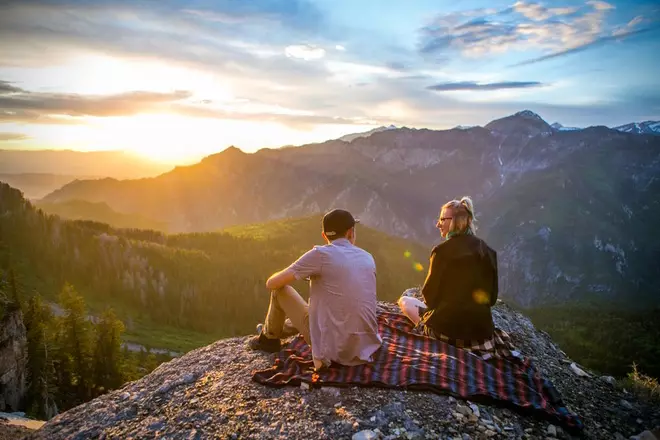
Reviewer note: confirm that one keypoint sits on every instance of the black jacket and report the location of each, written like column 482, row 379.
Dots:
column 460, row 288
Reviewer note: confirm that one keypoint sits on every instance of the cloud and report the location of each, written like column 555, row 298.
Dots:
column 245, row 50
column 22, row 106
column 238, row 51
column 304, row 51
column 526, row 26
column 537, row 12
column 301, row 121
column 62, row 108
column 8, row 137
column 469, row 85
column 6, row 87
column 65, row 104
column 300, row 14
column 598, row 42
column 396, row 65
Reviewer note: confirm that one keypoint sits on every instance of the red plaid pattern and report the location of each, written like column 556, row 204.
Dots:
column 411, row 361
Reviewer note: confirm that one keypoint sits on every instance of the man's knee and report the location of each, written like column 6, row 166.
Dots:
column 284, row 290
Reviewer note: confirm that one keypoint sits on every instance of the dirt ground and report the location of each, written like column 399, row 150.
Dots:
column 12, row 432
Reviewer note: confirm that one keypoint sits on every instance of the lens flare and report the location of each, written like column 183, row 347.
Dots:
column 407, row 254
column 480, row 297
column 418, row 267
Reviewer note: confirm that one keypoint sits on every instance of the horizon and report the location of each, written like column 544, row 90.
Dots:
column 178, row 80
column 194, row 159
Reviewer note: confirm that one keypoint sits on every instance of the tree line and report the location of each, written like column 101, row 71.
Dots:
column 70, row 358
column 207, row 282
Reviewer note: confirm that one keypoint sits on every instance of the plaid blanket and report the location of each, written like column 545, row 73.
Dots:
column 416, row 362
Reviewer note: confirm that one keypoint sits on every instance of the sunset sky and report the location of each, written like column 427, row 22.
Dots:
column 177, row 80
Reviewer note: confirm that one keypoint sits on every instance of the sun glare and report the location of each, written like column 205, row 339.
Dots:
column 178, row 139
column 171, row 138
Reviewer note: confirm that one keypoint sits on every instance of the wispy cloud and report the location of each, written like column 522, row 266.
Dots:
column 525, row 26
column 8, row 137
column 618, row 36
column 17, row 102
column 469, row 85
column 287, row 61
column 537, row 12
column 23, row 106
column 304, row 51
column 7, row 87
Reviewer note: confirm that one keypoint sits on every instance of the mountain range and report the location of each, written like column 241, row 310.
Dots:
column 571, row 213
column 647, row 127
column 353, row 136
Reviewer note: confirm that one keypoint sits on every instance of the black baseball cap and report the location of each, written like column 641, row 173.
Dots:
column 337, row 222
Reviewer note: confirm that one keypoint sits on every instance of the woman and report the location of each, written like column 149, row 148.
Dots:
column 461, row 284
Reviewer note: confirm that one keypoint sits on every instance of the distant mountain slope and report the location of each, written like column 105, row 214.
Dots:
column 37, row 185
column 395, row 180
column 99, row 212
column 117, row 164
column 353, row 136
column 647, row 127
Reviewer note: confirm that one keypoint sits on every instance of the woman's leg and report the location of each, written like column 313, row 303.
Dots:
column 411, row 308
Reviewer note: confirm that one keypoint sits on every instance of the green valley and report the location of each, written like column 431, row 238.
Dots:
column 177, row 291
column 100, row 212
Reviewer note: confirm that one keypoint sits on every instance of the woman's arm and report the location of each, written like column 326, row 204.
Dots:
column 431, row 288
column 495, row 289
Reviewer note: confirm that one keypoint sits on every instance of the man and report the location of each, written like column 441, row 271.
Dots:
column 340, row 320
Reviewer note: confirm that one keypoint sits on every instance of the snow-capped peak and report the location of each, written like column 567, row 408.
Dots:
column 529, row 114
column 646, row 127
column 557, row 126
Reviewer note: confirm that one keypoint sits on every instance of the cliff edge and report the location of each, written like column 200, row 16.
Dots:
column 209, row 393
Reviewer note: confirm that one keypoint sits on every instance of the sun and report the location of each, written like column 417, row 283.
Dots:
column 180, row 140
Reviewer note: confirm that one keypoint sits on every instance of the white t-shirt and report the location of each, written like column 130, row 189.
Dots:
column 342, row 302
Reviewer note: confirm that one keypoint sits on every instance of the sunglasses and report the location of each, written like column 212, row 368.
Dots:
column 442, row 220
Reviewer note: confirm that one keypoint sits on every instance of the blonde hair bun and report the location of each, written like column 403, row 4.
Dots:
column 469, row 205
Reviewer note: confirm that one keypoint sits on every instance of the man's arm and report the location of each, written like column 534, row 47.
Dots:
column 281, row 279
column 307, row 265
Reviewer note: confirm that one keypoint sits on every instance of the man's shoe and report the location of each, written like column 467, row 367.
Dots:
column 287, row 331
column 261, row 342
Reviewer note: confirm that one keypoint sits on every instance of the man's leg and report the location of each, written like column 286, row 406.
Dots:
column 286, row 302
column 411, row 308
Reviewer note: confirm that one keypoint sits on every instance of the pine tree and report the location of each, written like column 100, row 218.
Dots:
column 75, row 344
column 41, row 384
column 108, row 362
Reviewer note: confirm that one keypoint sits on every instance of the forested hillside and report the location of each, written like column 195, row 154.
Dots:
column 212, row 283
column 182, row 291
column 100, row 212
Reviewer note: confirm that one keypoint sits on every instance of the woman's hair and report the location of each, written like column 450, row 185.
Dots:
column 463, row 219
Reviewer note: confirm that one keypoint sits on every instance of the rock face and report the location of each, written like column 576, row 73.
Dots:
column 208, row 393
column 13, row 360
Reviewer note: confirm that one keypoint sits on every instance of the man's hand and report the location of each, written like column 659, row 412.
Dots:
column 280, row 279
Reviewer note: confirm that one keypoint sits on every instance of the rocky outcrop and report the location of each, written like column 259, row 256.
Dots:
column 208, row 393
column 13, row 360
